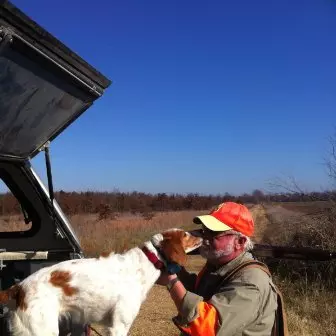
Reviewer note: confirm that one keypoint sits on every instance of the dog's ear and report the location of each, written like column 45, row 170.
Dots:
column 172, row 248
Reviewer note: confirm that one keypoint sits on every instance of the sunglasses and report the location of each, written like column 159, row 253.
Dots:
column 206, row 233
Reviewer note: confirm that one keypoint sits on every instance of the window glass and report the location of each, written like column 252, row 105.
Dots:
column 12, row 216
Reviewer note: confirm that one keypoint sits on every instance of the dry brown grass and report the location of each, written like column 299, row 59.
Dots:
column 310, row 308
column 309, row 287
column 312, row 207
column 97, row 236
column 9, row 223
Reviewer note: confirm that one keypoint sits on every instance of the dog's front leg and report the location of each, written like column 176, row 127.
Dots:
column 123, row 316
column 120, row 330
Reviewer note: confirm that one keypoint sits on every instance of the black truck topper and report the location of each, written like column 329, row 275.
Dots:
column 44, row 87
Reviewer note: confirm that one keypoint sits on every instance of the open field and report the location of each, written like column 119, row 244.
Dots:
column 126, row 231
column 308, row 207
column 310, row 304
column 309, row 288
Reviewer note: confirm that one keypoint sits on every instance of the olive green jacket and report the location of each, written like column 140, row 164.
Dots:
column 246, row 305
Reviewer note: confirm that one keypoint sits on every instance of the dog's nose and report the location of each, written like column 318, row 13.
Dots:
column 196, row 233
column 206, row 242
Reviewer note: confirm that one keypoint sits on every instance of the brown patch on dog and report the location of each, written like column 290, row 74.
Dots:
column 61, row 279
column 172, row 247
column 20, row 298
column 16, row 293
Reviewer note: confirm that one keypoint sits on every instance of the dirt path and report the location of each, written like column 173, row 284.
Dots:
column 261, row 222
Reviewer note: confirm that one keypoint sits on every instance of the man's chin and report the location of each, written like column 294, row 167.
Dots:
column 213, row 255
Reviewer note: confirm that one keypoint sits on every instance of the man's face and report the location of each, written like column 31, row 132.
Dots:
column 218, row 244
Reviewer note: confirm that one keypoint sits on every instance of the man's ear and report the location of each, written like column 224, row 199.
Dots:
column 173, row 251
column 241, row 242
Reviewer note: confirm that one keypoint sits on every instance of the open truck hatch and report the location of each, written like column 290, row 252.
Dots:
column 44, row 87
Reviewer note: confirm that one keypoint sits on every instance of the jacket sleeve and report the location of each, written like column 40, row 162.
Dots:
column 188, row 279
column 227, row 312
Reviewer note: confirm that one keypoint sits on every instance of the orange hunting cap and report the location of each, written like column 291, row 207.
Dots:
column 228, row 216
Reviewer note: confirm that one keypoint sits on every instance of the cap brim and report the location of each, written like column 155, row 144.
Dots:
column 211, row 223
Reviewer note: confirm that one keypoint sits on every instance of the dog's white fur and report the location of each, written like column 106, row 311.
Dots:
column 106, row 290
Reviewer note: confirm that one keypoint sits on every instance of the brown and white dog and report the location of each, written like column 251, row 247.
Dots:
column 106, row 290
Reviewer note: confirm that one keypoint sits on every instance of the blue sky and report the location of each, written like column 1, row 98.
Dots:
column 207, row 96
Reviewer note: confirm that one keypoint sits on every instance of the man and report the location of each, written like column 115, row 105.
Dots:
column 213, row 302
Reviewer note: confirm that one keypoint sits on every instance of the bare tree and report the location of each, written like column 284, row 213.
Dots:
column 331, row 159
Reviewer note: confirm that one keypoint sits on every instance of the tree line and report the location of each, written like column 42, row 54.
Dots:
column 140, row 202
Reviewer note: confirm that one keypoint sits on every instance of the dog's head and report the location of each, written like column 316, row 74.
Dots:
column 174, row 244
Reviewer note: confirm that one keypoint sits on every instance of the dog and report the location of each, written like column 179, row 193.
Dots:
column 106, row 290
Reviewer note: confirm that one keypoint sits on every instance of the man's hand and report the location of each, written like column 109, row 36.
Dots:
column 165, row 278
